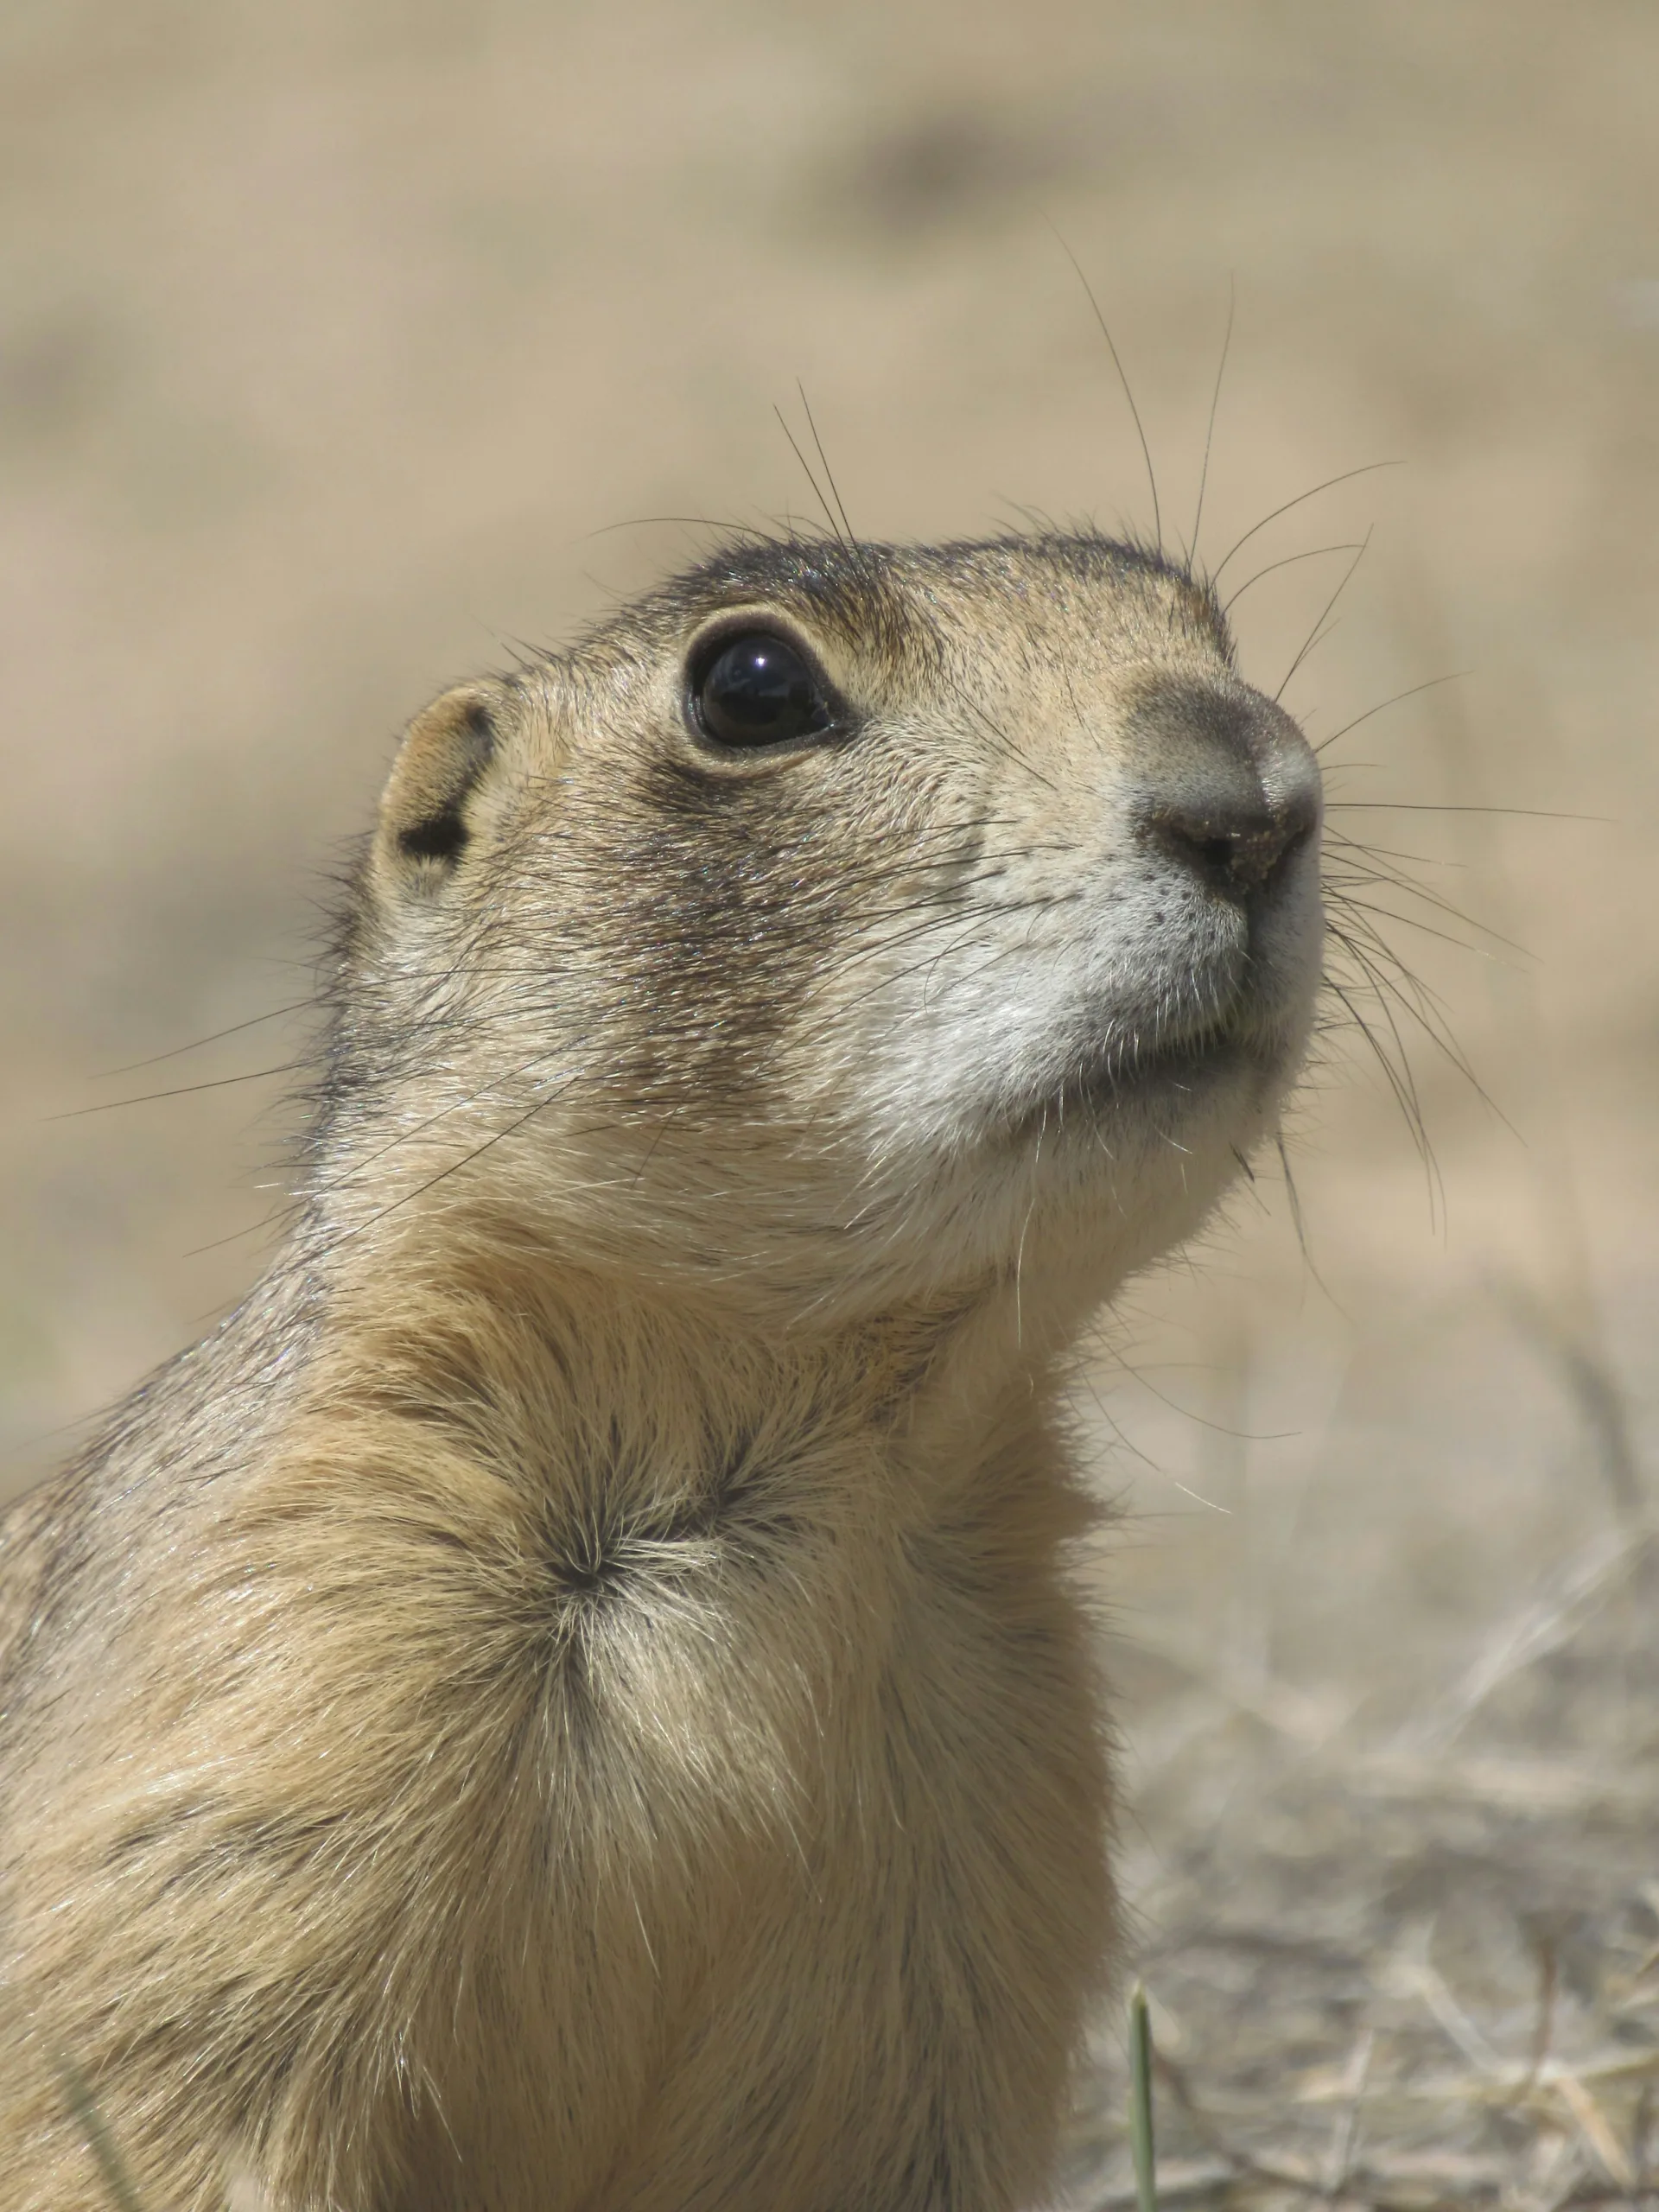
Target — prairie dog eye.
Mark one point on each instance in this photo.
(759, 690)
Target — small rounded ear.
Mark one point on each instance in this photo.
(446, 752)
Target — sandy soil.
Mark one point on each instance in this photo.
(345, 345)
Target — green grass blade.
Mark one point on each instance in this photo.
(77, 2095)
(1140, 2137)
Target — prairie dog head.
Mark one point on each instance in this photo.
(839, 924)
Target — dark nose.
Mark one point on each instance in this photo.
(1231, 790)
(1236, 846)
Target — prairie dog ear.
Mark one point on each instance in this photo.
(446, 754)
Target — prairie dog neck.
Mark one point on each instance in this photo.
(567, 1377)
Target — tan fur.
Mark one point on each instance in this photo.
(574, 1698)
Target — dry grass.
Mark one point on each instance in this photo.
(1405, 1958)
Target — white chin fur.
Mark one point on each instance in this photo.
(1000, 1032)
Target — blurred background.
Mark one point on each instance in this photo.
(346, 348)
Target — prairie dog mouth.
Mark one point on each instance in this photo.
(1117, 1070)
(1134, 1073)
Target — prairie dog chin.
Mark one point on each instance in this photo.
(572, 1697)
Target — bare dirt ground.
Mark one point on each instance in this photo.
(336, 342)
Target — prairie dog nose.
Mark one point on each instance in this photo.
(1229, 788)
(1235, 844)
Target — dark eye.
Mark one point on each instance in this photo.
(758, 690)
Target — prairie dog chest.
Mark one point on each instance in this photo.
(917, 1726)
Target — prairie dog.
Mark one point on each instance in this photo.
(572, 1699)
